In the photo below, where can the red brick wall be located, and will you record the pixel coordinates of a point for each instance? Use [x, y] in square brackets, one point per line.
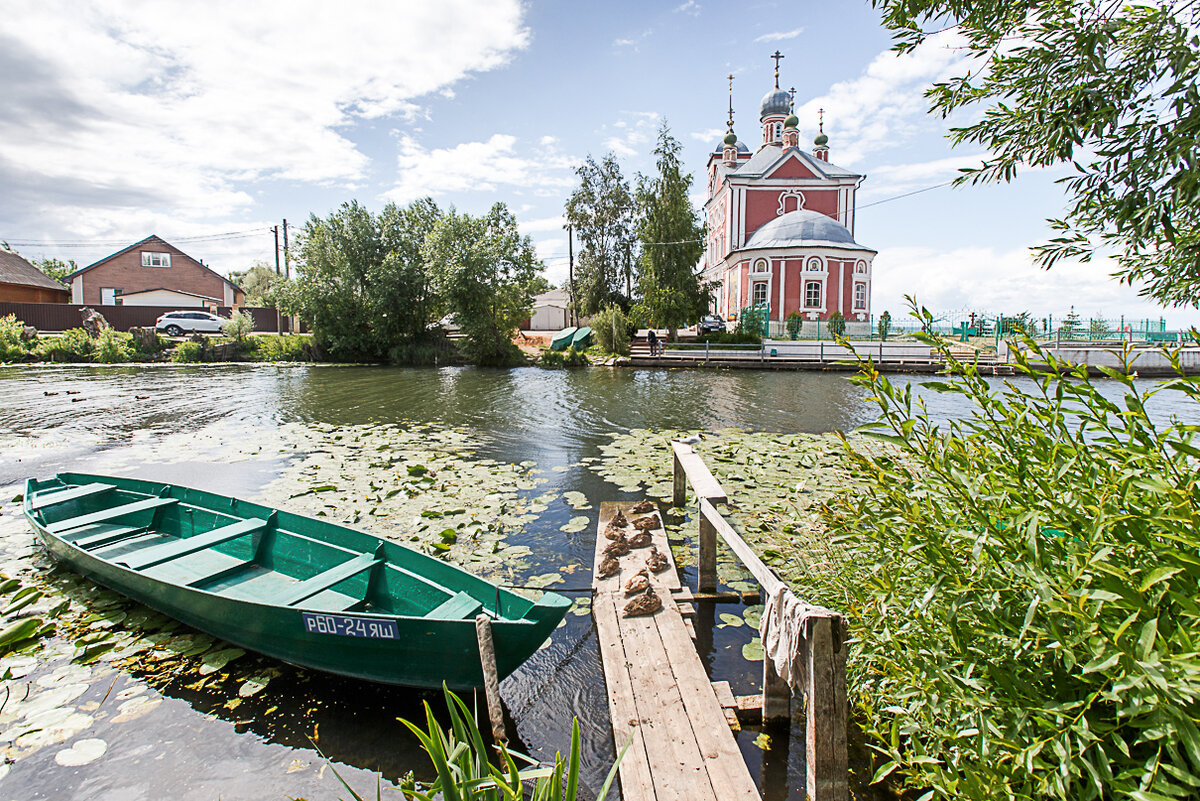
[125, 272]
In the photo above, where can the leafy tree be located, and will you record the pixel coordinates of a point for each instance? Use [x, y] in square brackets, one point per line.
[239, 326]
[1109, 89]
[58, 269]
[837, 324]
[484, 271]
[611, 328]
[672, 292]
[601, 212]
[362, 283]
[795, 322]
[1070, 326]
[264, 287]
[885, 325]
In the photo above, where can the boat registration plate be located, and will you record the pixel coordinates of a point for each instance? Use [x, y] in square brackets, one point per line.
[347, 626]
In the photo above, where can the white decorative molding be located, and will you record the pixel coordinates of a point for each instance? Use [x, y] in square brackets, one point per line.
[783, 196]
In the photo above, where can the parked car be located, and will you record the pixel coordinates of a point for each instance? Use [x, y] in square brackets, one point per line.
[176, 323]
[710, 323]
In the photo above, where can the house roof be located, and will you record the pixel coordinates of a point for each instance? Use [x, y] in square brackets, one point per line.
[172, 291]
[140, 243]
[15, 270]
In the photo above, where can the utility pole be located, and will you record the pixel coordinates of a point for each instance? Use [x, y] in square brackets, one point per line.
[286, 269]
[276, 230]
[571, 273]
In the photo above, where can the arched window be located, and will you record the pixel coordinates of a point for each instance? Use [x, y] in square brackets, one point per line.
[814, 265]
[758, 293]
[860, 296]
[860, 268]
[778, 131]
[812, 294]
[760, 266]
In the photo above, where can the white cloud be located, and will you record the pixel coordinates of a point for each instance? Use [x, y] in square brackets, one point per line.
[476, 167]
[116, 108]
[543, 224]
[779, 36]
[892, 179]
[690, 7]
[885, 105]
[633, 41]
[707, 135]
[636, 130]
[1004, 281]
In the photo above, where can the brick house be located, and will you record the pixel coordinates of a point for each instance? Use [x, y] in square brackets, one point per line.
[21, 282]
[152, 272]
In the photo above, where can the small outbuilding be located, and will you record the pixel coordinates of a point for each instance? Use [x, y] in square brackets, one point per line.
[550, 311]
[21, 282]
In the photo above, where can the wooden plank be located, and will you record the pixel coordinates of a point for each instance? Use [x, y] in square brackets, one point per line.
[634, 771]
[762, 574]
[724, 694]
[72, 494]
[324, 580]
[699, 476]
[104, 515]
[491, 680]
[777, 694]
[706, 547]
[165, 552]
[819, 711]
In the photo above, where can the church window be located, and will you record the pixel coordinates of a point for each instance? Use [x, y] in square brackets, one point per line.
[814, 265]
[860, 296]
[759, 293]
[760, 266]
[778, 132]
[860, 268]
[812, 294]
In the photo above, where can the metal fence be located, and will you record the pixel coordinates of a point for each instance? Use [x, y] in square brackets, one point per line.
[64, 316]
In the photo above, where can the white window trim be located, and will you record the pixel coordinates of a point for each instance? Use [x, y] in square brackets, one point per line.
[804, 296]
[857, 286]
[148, 258]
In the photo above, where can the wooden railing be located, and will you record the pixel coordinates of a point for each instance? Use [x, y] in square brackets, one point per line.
[822, 647]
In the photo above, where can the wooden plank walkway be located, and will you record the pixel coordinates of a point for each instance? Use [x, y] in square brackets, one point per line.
[659, 695]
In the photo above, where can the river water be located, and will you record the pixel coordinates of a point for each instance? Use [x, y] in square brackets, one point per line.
[106, 419]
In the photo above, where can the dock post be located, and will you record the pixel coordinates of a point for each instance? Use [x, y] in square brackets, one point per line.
[825, 710]
[491, 680]
[777, 695]
[679, 494]
[706, 572]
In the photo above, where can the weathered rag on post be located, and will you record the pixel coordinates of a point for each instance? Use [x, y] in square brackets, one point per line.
[782, 630]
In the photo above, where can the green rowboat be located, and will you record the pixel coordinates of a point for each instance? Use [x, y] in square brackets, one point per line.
[304, 591]
[582, 338]
[562, 340]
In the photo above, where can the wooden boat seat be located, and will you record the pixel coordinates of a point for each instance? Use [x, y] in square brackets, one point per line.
[324, 580]
[460, 606]
[97, 535]
[165, 552]
[72, 494]
[104, 515]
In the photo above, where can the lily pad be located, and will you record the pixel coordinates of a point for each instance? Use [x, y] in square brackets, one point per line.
[253, 686]
[575, 524]
[753, 651]
[81, 753]
[730, 620]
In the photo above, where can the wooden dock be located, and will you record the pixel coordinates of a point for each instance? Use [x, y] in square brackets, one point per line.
[660, 698]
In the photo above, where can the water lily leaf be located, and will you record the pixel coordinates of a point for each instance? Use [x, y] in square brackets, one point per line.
[732, 620]
[544, 580]
[576, 500]
[324, 488]
[753, 615]
[449, 536]
[135, 708]
[763, 741]
[417, 469]
[81, 753]
[216, 660]
[253, 686]
[753, 651]
[575, 524]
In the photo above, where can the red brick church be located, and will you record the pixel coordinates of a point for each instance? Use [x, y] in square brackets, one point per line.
[781, 223]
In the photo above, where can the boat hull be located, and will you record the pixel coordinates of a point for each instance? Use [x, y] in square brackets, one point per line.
[408, 650]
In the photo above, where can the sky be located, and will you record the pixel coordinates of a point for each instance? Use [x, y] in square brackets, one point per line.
[125, 119]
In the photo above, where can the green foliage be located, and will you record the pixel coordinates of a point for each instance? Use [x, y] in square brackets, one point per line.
[264, 287]
[885, 325]
[752, 322]
[363, 286]
[283, 348]
[1107, 89]
[795, 322]
[672, 292]
[484, 271]
[610, 327]
[564, 358]
[73, 345]
[1098, 328]
[113, 346]
[601, 212]
[238, 326]
[837, 324]
[1070, 326]
[1025, 621]
[188, 352]
[58, 269]
[1022, 324]
[737, 336]
[11, 346]
[465, 769]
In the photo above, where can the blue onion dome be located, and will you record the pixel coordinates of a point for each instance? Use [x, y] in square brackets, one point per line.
[776, 101]
[730, 138]
[821, 140]
[792, 122]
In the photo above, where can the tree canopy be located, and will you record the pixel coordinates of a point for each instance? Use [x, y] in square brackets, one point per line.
[601, 211]
[671, 242]
[1107, 88]
[263, 286]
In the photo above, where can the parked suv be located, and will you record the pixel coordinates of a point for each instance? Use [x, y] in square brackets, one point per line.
[710, 323]
[176, 323]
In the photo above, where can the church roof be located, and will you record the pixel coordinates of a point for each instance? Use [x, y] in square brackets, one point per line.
[720, 148]
[806, 228]
[768, 156]
[776, 101]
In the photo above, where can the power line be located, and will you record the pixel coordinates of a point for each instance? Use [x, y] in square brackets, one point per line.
[906, 194]
[80, 243]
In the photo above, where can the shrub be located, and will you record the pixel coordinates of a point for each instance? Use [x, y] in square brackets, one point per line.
[73, 345]
[564, 358]
[1024, 611]
[885, 325]
[113, 346]
[611, 329]
[11, 346]
[187, 352]
[837, 324]
[794, 323]
[238, 326]
[730, 338]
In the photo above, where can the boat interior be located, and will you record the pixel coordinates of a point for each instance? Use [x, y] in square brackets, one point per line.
[249, 553]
